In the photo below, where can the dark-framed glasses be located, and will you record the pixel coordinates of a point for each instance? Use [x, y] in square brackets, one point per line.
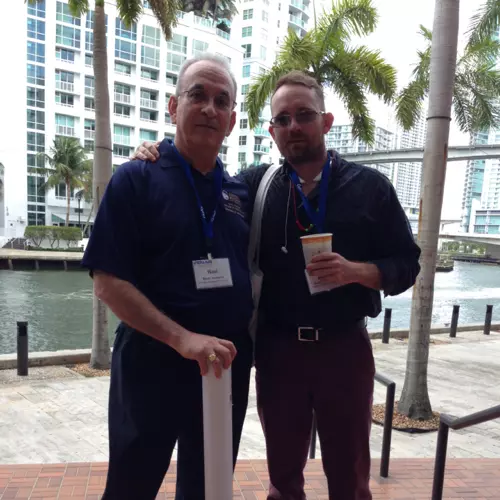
[301, 117]
[198, 96]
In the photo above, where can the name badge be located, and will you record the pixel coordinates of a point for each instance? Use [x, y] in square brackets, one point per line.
[212, 273]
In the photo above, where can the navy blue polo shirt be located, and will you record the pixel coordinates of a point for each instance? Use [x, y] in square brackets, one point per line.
[148, 231]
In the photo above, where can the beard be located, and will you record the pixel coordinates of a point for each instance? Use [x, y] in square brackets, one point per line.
[299, 153]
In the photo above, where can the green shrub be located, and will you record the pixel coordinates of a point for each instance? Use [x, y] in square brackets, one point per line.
[54, 235]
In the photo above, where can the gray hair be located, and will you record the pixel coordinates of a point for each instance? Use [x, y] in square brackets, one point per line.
[206, 56]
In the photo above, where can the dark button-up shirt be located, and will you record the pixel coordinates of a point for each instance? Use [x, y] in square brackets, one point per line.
[148, 232]
[368, 225]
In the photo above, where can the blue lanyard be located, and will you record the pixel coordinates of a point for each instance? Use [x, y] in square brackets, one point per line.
[207, 223]
[317, 218]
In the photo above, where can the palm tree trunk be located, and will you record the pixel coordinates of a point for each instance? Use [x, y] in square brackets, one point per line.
[68, 200]
[100, 357]
[414, 401]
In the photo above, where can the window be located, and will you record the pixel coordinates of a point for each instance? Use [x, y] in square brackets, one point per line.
[65, 99]
[122, 89]
[168, 118]
[247, 31]
[199, 47]
[65, 55]
[261, 70]
[89, 60]
[151, 36]
[65, 76]
[36, 194]
[64, 15]
[178, 43]
[89, 125]
[35, 119]
[174, 61]
[149, 116]
[66, 35]
[36, 142]
[246, 71]
[35, 97]
[278, 23]
[89, 104]
[263, 52]
[65, 125]
[266, 2]
[36, 29]
[247, 50]
[150, 56]
[149, 74]
[89, 86]
[263, 34]
[36, 9]
[124, 50]
[171, 80]
[242, 140]
[265, 16]
[247, 14]
[244, 89]
[147, 135]
[126, 32]
[122, 151]
[243, 107]
[243, 123]
[35, 161]
[36, 74]
[89, 24]
[89, 41]
[36, 52]
[122, 110]
[122, 134]
[242, 157]
[124, 69]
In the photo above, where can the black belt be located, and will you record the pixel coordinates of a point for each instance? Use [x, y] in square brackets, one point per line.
[312, 333]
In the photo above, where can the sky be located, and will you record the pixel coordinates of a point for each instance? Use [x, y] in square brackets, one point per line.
[396, 36]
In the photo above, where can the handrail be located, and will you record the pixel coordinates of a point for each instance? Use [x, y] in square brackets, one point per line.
[386, 439]
[446, 423]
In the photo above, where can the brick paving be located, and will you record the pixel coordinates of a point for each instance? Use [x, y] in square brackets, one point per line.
[410, 479]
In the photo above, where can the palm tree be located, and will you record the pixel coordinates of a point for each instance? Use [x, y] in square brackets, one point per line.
[485, 23]
[475, 92]
[326, 53]
[67, 163]
[216, 9]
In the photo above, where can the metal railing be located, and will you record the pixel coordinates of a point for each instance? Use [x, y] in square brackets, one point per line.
[387, 435]
[446, 423]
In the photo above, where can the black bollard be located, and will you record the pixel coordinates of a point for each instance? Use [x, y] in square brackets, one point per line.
[487, 319]
[387, 325]
[22, 348]
[454, 321]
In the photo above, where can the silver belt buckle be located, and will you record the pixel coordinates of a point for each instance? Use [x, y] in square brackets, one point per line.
[316, 334]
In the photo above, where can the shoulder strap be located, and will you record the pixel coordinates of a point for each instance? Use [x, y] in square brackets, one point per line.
[258, 210]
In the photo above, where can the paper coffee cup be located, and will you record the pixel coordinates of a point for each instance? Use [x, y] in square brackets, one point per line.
[314, 244]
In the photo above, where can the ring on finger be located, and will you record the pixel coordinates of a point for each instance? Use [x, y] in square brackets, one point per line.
[212, 357]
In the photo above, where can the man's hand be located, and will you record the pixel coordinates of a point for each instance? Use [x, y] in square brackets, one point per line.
[147, 151]
[334, 269]
[202, 348]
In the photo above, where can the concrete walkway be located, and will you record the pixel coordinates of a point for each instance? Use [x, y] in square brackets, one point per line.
[57, 416]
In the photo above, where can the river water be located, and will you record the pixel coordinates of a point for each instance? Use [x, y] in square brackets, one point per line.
[58, 304]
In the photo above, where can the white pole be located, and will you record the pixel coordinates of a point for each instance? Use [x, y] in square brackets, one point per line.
[218, 436]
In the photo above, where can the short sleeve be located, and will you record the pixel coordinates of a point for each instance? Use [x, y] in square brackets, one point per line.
[114, 244]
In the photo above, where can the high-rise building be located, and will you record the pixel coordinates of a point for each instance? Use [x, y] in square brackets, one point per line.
[341, 139]
[408, 176]
[48, 91]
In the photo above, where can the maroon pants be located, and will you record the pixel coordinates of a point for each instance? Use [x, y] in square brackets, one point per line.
[334, 377]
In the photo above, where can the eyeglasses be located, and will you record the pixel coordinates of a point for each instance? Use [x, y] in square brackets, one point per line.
[199, 96]
[301, 117]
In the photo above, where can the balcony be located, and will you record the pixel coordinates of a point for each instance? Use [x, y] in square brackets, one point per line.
[297, 21]
[261, 132]
[298, 4]
[223, 34]
[121, 139]
[89, 134]
[64, 130]
[65, 86]
[203, 21]
[149, 103]
[122, 98]
[90, 91]
[223, 157]
[261, 149]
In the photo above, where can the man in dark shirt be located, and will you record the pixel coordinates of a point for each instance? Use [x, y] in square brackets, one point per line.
[168, 254]
[313, 352]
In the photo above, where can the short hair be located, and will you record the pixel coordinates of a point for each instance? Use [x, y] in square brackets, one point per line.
[296, 77]
[206, 56]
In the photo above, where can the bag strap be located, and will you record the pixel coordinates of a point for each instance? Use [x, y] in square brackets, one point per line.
[258, 211]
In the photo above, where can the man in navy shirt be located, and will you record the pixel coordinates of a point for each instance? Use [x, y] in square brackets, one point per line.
[168, 254]
[313, 353]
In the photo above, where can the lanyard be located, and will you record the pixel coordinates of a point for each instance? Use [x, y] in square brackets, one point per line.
[207, 223]
[316, 217]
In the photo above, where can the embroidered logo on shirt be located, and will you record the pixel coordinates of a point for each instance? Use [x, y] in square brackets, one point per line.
[232, 204]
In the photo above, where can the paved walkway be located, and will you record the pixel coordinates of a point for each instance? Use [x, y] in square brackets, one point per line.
[57, 416]
[409, 480]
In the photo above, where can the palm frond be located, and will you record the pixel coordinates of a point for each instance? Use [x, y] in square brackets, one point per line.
[78, 7]
[426, 33]
[297, 52]
[129, 11]
[409, 103]
[261, 90]
[165, 12]
[485, 22]
[480, 52]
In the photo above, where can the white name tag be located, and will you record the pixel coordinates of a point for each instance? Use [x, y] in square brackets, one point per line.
[212, 273]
